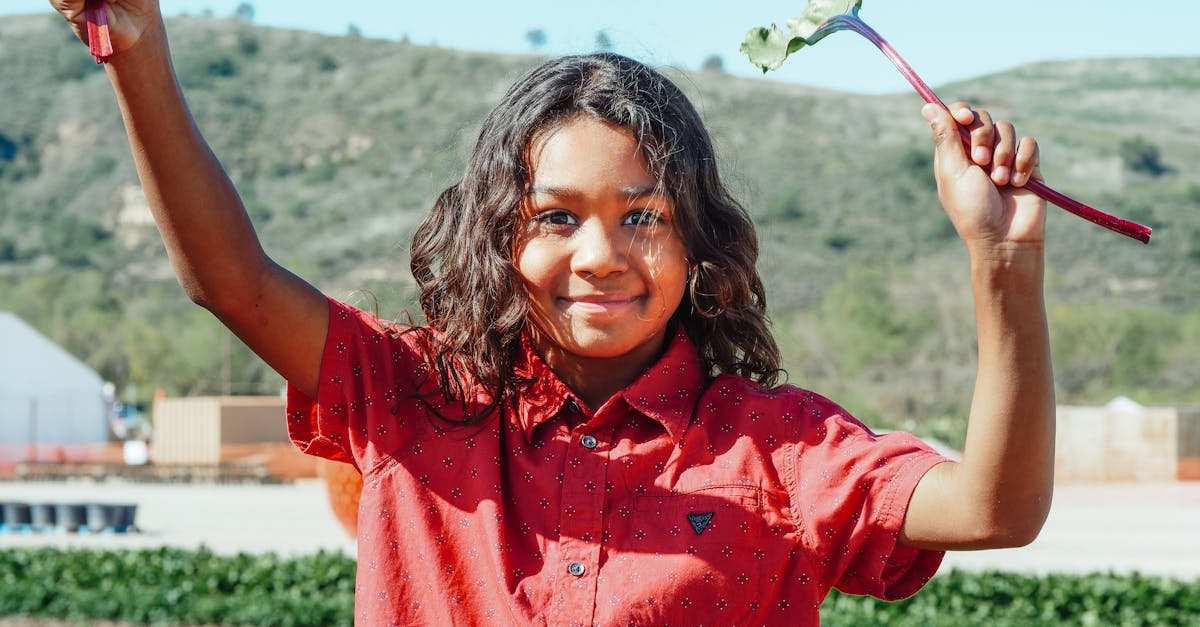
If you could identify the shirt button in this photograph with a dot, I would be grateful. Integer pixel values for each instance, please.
(573, 406)
(577, 569)
(589, 442)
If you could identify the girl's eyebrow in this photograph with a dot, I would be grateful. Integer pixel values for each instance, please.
(631, 193)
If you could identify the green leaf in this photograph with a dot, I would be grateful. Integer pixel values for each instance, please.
(769, 47)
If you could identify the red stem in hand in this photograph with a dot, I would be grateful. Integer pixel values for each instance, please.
(99, 39)
(853, 22)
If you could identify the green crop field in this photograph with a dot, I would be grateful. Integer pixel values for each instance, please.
(180, 587)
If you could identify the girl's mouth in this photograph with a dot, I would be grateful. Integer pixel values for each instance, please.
(600, 304)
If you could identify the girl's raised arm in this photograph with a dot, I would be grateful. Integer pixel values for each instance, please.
(999, 495)
(209, 238)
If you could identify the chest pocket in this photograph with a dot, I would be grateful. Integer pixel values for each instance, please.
(723, 515)
(697, 555)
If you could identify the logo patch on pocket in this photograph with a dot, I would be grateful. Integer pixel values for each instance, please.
(700, 520)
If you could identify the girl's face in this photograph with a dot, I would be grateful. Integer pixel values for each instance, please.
(602, 262)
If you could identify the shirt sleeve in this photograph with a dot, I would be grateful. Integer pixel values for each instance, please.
(853, 489)
(369, 368)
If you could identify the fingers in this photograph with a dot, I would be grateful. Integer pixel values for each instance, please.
(1013, 162)
(1016, 161)
(73, 12)
(1028, 164)
(949, 147)
(979, 123)
(68, 8)
(1005, 152)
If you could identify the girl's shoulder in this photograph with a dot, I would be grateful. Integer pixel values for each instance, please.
(360, 341)
(742, 393)
(789, 419)
(348, 319)
(784, 413)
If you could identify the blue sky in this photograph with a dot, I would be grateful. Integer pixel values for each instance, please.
(943, 40)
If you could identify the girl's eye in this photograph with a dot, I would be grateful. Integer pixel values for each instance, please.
(556, 217)
(643, 217)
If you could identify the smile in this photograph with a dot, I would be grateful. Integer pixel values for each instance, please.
(597, 305)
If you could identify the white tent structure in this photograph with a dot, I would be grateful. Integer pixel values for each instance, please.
(49, 400)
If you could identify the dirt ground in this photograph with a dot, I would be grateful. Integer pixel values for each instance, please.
(1149, 528)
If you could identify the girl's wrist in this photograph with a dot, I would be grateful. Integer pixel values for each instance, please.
(1006, 254)
(1008, 261)
(150, 47)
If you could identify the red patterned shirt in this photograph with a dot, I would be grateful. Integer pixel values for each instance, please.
(685, 500)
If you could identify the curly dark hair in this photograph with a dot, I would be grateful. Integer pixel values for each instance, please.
(462, 254)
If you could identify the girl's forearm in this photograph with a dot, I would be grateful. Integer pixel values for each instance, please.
(999, 494)
(209, 238)
(1008, 460)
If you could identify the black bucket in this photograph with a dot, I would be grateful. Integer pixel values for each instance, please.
(123, 517)
(98, 517)
(43, 516)
(17, 516)
(72, 516)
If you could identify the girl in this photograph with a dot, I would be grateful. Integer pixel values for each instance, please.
(588, 430)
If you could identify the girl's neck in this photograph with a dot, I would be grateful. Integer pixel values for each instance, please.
(595, 380)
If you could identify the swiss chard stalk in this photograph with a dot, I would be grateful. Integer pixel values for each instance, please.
(769, 47)
(99, 39)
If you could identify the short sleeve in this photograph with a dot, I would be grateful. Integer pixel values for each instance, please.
(853, 490)
(368, 369)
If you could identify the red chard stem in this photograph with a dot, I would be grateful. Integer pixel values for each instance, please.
(99, 39)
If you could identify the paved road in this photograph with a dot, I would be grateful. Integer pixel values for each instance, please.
(287, 519)
(1151, 528)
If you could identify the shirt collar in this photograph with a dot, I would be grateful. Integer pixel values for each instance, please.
(666, 392)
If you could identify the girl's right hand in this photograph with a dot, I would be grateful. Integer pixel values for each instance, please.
(128, 20)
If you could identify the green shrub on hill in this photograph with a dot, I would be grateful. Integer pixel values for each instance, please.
(340, 144)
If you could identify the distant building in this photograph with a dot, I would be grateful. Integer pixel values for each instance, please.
(245, 431)
(52, 406)
(203, 429)
(1124, 441)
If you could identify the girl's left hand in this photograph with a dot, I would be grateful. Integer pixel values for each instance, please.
(983, 193)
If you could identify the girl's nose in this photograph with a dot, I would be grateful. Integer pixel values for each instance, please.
(598, 251)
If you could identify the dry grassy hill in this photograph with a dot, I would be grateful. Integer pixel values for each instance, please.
(339, 144)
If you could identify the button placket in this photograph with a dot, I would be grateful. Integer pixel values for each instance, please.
(582, 522)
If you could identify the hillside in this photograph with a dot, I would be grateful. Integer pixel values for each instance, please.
(339, 144)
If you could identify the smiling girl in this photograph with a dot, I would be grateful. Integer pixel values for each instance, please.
(588, 429)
